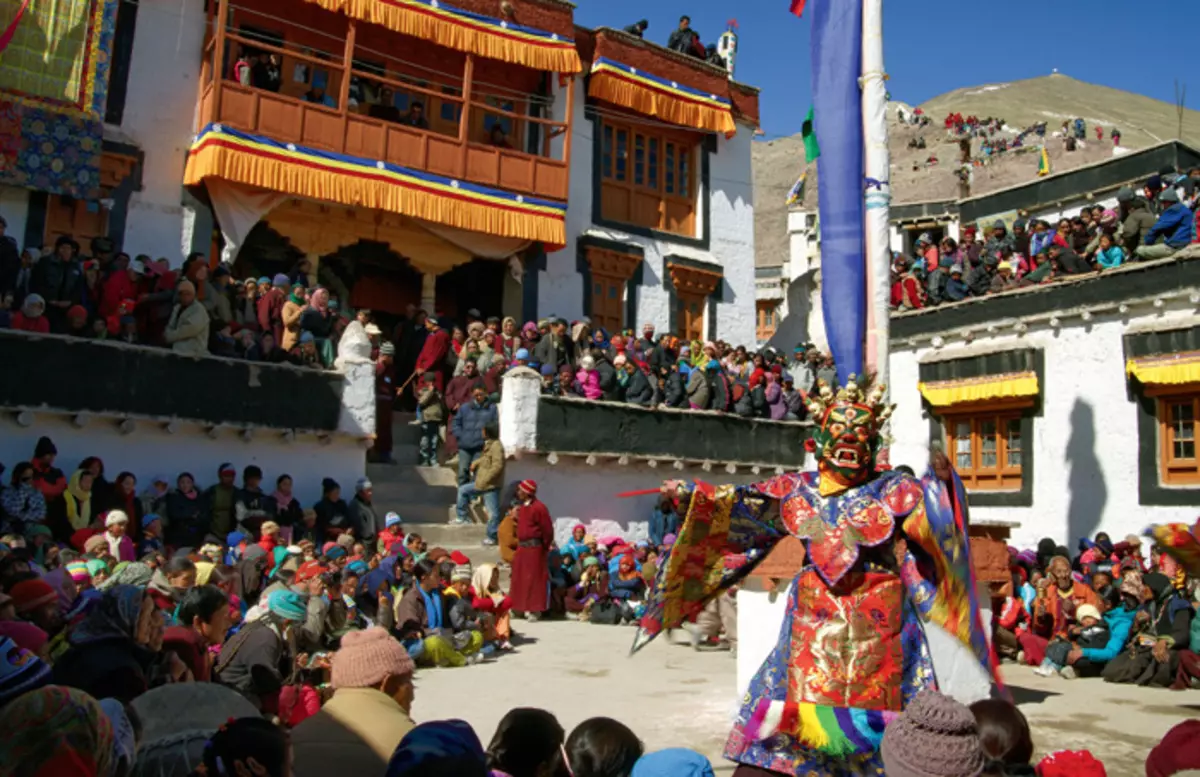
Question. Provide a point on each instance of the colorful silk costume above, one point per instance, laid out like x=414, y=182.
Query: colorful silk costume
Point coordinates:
x=886, y=554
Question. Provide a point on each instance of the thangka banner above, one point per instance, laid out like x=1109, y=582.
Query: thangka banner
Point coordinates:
x=53, y=89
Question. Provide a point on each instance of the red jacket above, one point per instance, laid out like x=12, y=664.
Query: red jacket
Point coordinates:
x=39, y=325
x=118, y=287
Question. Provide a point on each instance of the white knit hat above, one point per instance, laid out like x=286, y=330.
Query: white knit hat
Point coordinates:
x=116, y=518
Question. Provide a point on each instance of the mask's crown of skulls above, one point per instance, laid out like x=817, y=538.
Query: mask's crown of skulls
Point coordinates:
x=821, y=401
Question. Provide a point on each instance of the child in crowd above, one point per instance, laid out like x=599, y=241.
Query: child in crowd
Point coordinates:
x=473, y=630
x=392, y=533
x=432, y=412
x=1092, y=632
x=151, y=535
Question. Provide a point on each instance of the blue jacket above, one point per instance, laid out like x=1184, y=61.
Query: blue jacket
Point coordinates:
x=1120, y=623
x=1111, y=258
x=1177, y=225
x=957, y=290
x=469, y=422
x=1039, y=241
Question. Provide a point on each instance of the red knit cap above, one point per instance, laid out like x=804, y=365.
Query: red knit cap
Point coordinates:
x=528, y=486
x=460, y=558
x=367, y=657
x=28, y=595
x=1179, y=750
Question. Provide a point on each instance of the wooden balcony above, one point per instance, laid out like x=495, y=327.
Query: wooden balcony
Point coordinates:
x=461, y=110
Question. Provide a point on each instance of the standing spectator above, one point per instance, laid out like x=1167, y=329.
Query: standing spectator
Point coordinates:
x=270, y=306
x=245, y=312
x=587, y=379
x=290, y=315
x=699, y=395
x=187, y=329
x=936, y=281
x=999, y=239
x=220, y=501
x=468, y=430
x=22, y=503
x=363, y=517
x=10, y=260
x=1176, y=226
x=47, y=478
x=333, y=515
x=187, y=518
x=979, y=277
x=638, y=29
x=385, y=398
x=638, y=390
x=58, y=278
x=684, y=39
x=529, y=589
x=252, y=506
x=433, y=418
x=118, y=287
x=1020, y=238
x=721, y=388
x=488, y=470
x=318, y=320
x=555, y=348
x=434, y=352
x=20, y=290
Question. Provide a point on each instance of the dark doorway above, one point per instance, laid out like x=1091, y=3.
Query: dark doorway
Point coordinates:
x=477, y=284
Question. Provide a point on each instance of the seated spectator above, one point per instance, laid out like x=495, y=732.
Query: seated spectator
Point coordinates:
x=602, y=747
x=357, y=730
x=587, y=379
x=31, y=317
x=1064, y=261
x=497, y=137
x=469, y=628
x=416, y=116
x=1004, y=738
x=487, y=597
x=907, y=293
x=255, y=661
x=439, y=749
x=386, y=107
x=936, y=280
x=956, y=288
x=672, y=762
x=932, y=723
x=421, y=621
x=1090, y=660
x=1160, y=634
x=204, y=620
x=317, y=95
x=527, y=743
x=1176, y=227
x=1059, y=597
x=1108, y=255
x=1005, y=278
x=248, y=746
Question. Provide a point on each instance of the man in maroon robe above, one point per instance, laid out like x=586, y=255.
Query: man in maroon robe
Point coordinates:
x=433, y=353
x=530, y=587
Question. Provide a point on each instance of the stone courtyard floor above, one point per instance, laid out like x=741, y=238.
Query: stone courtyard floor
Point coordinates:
x=675, y=697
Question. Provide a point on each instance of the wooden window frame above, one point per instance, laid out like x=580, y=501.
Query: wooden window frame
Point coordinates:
x=610, y=268
x=766, y=319
x=1176, y=470
x=642, y=178
x=1002, y=477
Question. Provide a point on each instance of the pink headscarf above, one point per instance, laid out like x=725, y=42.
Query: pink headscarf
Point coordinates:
x=319, y=300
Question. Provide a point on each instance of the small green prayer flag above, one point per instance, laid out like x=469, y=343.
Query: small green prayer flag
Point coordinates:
x=812, y=149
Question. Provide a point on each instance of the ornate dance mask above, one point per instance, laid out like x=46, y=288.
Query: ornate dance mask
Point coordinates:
x=847, y=437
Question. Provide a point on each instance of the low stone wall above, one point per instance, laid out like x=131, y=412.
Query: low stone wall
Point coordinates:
x=93, y=376
x=532, y=423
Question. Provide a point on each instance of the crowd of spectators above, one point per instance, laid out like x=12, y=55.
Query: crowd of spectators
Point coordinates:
x=195, y=310
x=139, y=639
x=1104, y=611
x=1153, y=223
x=683, y=39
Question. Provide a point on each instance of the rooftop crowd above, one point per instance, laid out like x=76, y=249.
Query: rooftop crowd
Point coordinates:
x=184, y=631
x=1153, y=223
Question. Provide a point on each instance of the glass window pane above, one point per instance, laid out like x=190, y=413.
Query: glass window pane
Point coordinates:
x=1185, y=449
x=608, y=151
x=670, y=165
x=1014, y=443
x=639, y=159
x=622, y=153
x=962, y=445
x=684, y=180
x=612, y=292
x=599, y=290
x=652, y=171
x=987, y=444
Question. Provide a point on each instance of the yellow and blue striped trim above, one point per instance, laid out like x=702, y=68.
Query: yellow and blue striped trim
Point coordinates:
x=648, y=94
x=466, y=31
x=325, y=176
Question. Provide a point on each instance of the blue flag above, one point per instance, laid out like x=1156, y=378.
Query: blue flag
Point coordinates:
x=837, y=109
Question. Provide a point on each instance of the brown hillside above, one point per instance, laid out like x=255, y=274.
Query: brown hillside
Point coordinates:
x=1143, y=122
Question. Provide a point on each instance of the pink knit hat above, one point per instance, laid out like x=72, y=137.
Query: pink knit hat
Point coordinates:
x=367, y=657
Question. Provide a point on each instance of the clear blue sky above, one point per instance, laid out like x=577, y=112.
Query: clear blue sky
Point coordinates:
x=933, y=46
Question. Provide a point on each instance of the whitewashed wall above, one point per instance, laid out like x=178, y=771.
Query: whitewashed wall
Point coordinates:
x=731, y=247
x=1085, y=442
x=151, y=451
x=160, y=110
x=14, y=207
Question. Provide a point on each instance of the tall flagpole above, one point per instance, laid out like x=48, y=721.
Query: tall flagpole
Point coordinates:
x=877, y=162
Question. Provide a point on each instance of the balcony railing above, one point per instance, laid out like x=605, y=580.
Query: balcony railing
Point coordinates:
x=365, y=103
